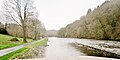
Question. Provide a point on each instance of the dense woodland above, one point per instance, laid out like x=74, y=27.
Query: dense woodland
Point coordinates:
x=101, y=23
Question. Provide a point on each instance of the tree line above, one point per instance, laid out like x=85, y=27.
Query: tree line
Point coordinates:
x=101, y=23
x=20, y=19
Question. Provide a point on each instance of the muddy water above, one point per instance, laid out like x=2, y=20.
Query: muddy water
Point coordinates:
x=60, y=48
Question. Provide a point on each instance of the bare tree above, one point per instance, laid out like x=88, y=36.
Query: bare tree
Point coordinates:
x=33, y=27
x=19, y=11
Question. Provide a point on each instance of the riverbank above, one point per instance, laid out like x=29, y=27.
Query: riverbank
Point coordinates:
x=23, y=49
x=35, y=50
x=100, y=48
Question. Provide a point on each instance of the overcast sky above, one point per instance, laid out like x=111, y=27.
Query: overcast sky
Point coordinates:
x=58, y=13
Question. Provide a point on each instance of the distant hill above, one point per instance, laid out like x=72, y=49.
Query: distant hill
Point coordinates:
x=51, y=33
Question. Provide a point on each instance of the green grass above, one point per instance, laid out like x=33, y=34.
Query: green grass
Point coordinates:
x=6, y=43
x=14, y=54
x=17, y=53
x=43, y=43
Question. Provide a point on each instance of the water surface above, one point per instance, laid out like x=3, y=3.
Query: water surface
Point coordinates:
x=60, y=48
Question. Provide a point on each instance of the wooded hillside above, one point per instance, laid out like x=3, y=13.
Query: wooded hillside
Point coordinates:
x=101, y=23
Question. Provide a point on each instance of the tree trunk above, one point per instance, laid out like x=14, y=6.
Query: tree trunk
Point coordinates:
x=5, y=26
x=35, y=35
x=24, y=34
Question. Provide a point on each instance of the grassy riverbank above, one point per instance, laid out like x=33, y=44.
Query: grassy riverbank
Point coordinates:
x=6, y=43
x=19, y=52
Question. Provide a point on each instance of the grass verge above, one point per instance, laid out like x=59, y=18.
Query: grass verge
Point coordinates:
x=6, y=43
x=13, y=55
x=43, y=43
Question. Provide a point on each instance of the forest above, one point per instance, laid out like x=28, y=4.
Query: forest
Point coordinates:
x=101, y=23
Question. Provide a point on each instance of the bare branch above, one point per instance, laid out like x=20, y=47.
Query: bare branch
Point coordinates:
x=14, y=19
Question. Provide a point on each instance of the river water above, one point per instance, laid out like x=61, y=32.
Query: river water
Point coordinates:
x=59, y=48
x=65, y=49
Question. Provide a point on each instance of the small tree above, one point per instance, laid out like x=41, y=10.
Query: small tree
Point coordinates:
x=89, y=11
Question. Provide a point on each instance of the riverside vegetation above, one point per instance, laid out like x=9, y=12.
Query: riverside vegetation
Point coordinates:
x=101, y=23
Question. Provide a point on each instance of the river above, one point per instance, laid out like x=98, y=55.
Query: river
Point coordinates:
x=69, y=49
x=60, y=48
